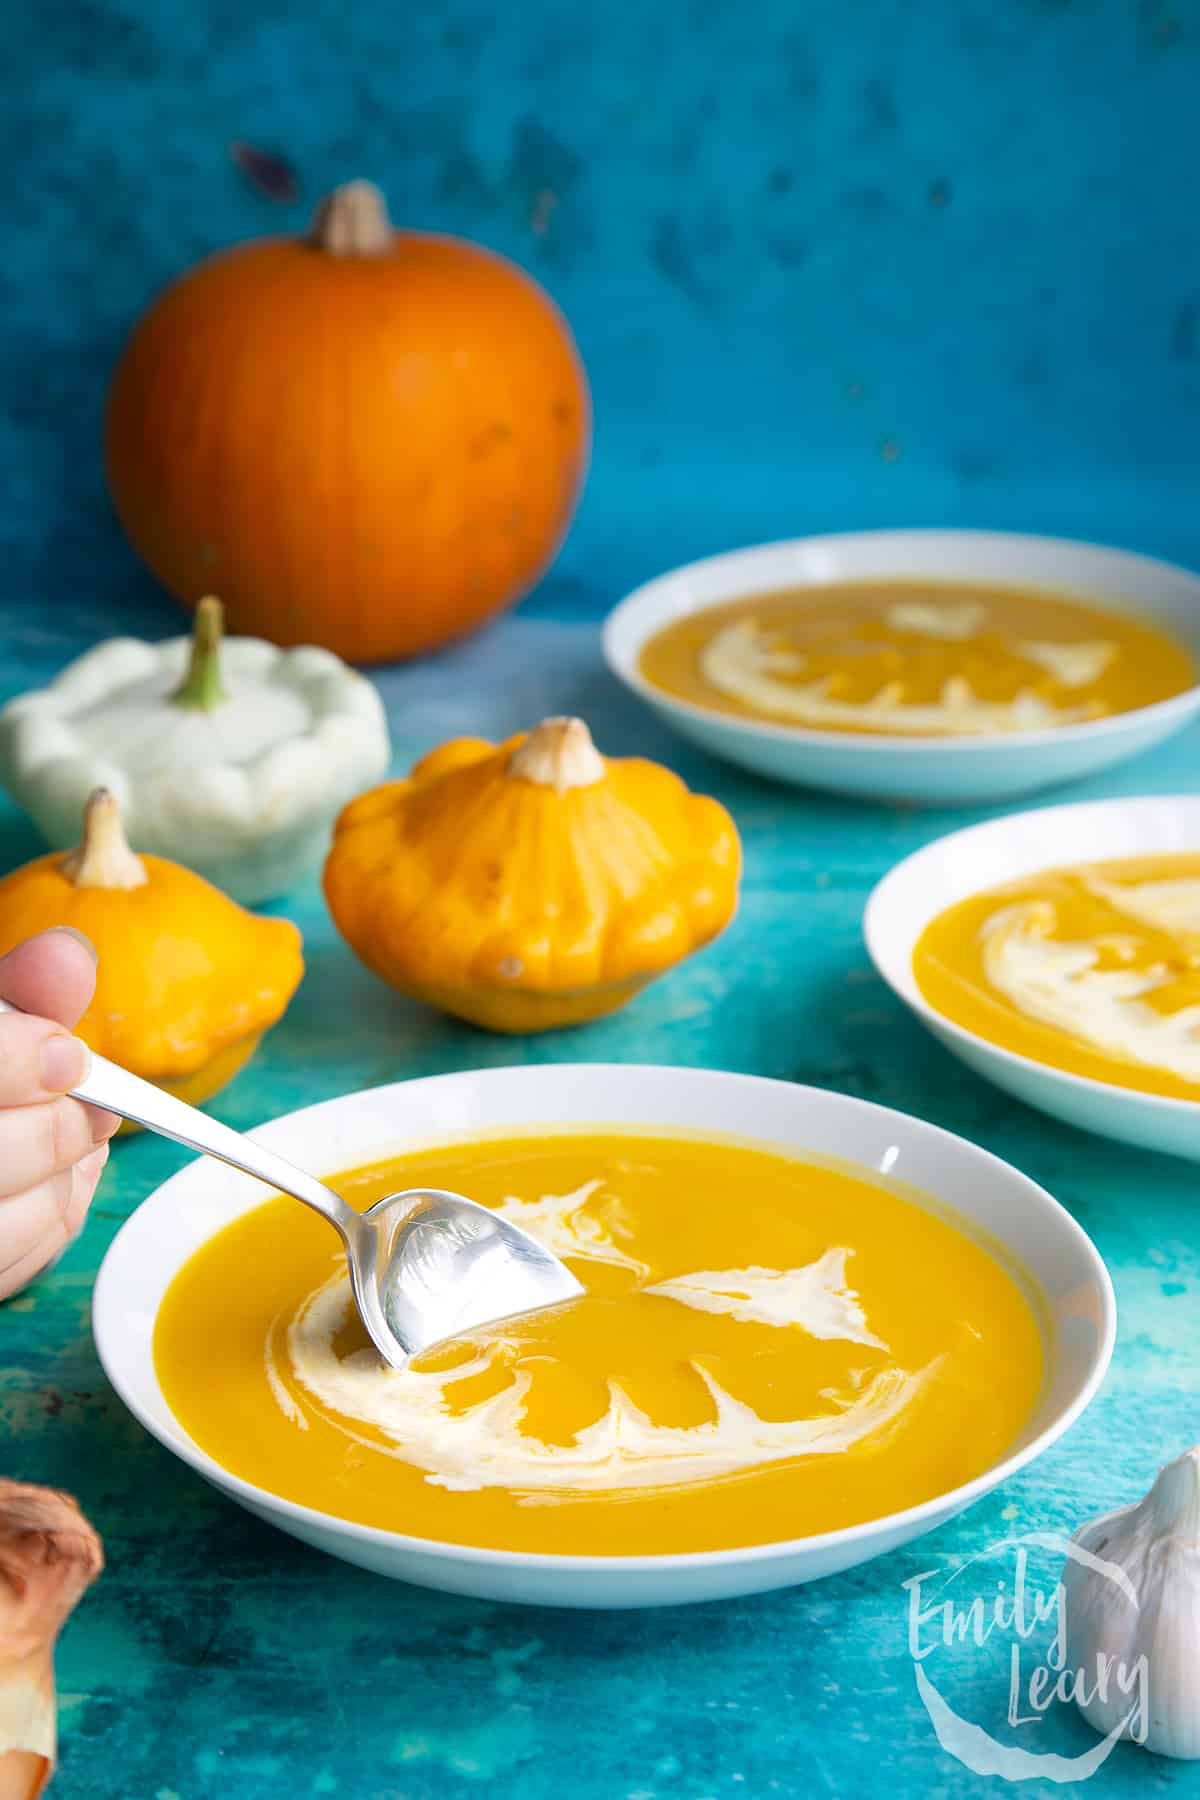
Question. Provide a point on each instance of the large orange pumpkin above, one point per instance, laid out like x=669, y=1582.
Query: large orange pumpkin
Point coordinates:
x=365, y=439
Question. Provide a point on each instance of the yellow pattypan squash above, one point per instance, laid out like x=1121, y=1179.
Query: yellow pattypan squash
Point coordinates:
x=188, y=981
x=533, y=883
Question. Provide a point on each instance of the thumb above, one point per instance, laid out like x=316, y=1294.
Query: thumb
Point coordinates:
x=52, y=975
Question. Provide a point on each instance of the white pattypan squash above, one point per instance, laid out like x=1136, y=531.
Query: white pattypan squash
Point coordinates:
x=233, y=757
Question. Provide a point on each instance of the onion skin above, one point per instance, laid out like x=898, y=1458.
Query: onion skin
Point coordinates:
x=49, y=1556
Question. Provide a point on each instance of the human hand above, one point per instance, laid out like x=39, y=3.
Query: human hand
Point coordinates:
x=52, y=1148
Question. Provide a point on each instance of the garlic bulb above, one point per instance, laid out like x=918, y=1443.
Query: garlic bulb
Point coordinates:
x=1131, y=1595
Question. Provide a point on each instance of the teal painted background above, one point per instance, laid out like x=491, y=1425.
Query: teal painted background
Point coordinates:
x=855, y=262
x=833, y=266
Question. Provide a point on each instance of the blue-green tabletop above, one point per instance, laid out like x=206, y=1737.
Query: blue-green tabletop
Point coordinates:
x=216, y=1656
x=830, y=267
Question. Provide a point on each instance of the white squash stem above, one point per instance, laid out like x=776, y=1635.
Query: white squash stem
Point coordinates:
x=201, y=686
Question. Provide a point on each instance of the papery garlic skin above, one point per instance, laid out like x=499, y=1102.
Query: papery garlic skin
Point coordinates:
x=1140, y=1599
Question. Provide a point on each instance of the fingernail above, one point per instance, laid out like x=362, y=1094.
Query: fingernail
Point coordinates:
x=80, y=938
x=64, y=1061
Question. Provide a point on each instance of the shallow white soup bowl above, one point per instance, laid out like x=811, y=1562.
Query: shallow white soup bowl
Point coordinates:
x=931, y=771
x=983, y=856
x=1057, y=1262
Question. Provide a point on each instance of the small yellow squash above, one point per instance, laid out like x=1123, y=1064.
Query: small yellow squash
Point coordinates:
x=188, y=980
x=530, y=884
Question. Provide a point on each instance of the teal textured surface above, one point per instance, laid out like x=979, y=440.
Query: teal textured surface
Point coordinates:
x=217, y=1656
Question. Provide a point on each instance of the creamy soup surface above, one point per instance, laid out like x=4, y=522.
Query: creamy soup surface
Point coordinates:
x=921, y=659
x=1094, y=969
x=766, y=1348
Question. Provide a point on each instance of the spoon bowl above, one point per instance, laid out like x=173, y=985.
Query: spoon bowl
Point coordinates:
x=424, y=1264
x=434, y=1264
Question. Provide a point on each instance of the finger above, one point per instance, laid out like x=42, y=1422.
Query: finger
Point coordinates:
x=38, y=1060
x=104, y=1124
x=52, y=975
x=29, y=1266
x=39, y=1141
x=38, y=1224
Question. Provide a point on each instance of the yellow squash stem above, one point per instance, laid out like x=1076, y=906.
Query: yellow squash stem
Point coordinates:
x=104, y=859
x=201, y=686
x=558, y=753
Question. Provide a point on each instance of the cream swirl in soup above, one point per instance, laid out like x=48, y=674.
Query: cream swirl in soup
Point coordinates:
x=1094, y=969
x=765, y=1347
x=923, y=660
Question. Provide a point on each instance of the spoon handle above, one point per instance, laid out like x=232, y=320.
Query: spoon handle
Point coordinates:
x=108, y=1085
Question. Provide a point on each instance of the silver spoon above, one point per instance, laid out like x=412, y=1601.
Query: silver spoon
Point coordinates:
x=424, y=1265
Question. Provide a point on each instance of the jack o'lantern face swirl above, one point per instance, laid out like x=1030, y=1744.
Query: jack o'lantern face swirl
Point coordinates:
x=1093, y=968
x=651, y=1379
x=923, y=660
x=768, y=1345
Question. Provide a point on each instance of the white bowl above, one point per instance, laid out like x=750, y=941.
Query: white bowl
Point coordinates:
x=1058, y=1260
x=983, y=856
x=935, y=771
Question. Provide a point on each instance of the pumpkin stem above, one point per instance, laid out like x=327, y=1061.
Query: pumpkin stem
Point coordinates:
x=104, y=859
x=201, y=686
x=558, y=753
x=352, y=221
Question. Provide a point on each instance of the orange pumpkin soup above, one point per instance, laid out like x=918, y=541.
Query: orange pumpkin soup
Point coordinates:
x=767, y=1347
x=1093, y=969
x=922, y=659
